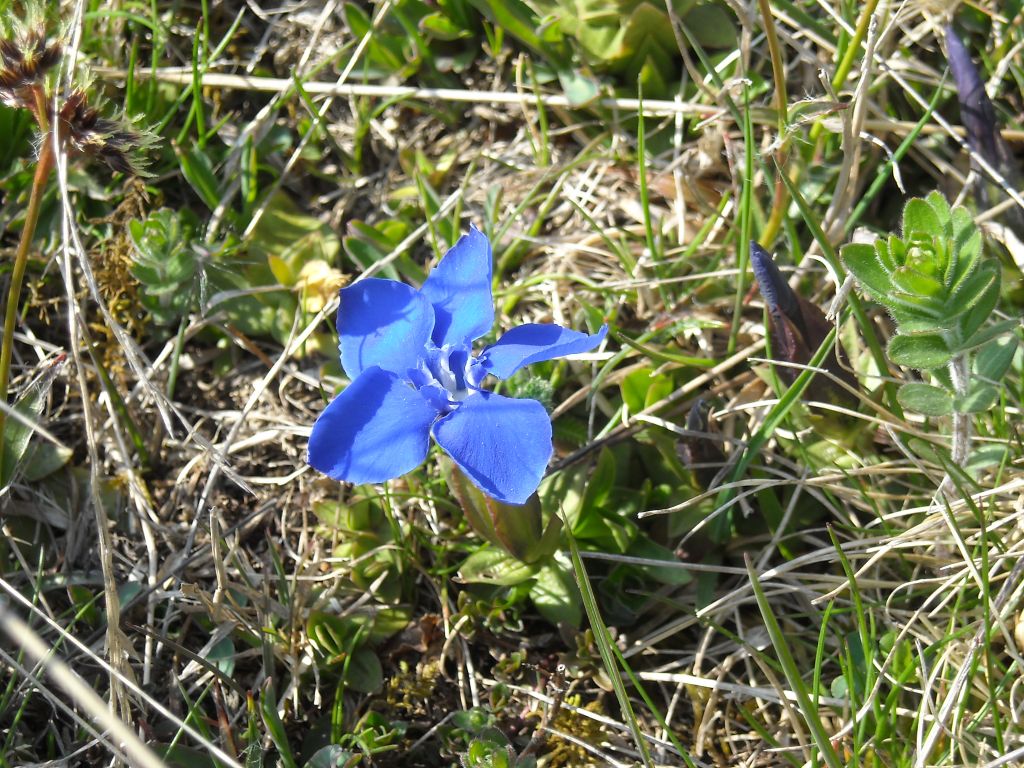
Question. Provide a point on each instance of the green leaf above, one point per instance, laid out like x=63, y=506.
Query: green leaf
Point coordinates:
x=601, y=481
x=993, y=360
x=926, y=399
x=864, y=263
x=922, y=351
x=490, y=565
x=517, y=528
x=556, y=596
x=440, y=27
x=938, y=203
x=712, y=26
x=363, y=672
x=42, y=459
x=921, y=218
x=981, y=308
x=197, y=169
x=577, y=87
x=975, y=289
x=917, y=283
x=289, y=239
x=981, y=397
x=987, y=456
x=517, y=19
x=987, y=334
x=667, y=574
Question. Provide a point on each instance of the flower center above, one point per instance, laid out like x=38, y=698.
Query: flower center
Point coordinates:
x=446, y=376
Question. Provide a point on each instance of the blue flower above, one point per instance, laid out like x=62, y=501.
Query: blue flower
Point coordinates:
x=409, y=356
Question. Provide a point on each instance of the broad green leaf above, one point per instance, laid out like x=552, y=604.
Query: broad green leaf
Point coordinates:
x=981, y=397
x=892, y=252
x=556, y=596
x=967, y=245
x=973, y=288
x=994, y=358
x=863, y=262
x=922, y=351
x=920, y=217
x=363, y=672
x=490, y=565
x=926, y=399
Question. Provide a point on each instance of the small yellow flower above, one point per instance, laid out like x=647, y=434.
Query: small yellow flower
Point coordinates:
x=318, y=283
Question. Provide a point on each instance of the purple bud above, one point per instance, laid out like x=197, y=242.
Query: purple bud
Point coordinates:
x=976, y=110
x=776, y=291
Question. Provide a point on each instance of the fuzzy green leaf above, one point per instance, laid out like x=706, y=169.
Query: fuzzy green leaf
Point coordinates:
x=938, y=203
x=984, y=300
x=917, y=283
x=862, y=260
x=926, y=399
x=922, y=351
x=993, y=359
x=920, y=218
x=985, y=335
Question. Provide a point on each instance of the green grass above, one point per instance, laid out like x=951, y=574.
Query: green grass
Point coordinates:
x=165, y=546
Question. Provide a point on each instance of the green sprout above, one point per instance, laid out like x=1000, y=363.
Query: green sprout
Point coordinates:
x=941, y=290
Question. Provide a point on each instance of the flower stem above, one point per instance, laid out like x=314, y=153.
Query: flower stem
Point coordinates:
x=43, y=167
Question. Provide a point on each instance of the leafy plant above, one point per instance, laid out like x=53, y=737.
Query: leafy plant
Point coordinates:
x=940, y=289
x=164, y=263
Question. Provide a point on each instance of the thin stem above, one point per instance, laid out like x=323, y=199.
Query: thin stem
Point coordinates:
x=43, y=167
x=959, y=372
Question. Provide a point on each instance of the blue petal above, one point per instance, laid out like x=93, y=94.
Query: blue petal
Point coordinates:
x=502, y=444
x=459, y=287
x=383, y=323
x=534, y=343
x=377, y=429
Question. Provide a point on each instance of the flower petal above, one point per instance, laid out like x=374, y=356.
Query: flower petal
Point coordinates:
x=459, y=287
x=534, y=343
x=383, y=323
x=377, y=429
x=501, y=443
